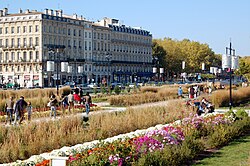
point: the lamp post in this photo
(50, 65)
(155, 69)
(230, 73)
(108, 57)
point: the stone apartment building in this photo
(40, 48)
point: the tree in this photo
(244, 67)
(192, 52)
(159, 53)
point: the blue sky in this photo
(208, 21)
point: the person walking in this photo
(64, 102)
(71, 101)
(53, 104)
(180, 92)
(88, 101)
(191, 92)
(29, 111)
(19, 110)
(9, 106)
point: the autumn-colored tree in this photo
(192, 52)
(244, 67)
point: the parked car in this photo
(114, 84)
(92, 85)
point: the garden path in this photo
(106, 108)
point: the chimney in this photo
(81, 17)
(60, 13)
(57, 13)
(20, 10)
(75, 16)
(5, 11)
(51, 12)
(1, 13)
(46, 11)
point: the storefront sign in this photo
(26, 77)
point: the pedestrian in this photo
(19, 110)
(64, 102)
(191, 92)
(29, 110)
(53, 105)
(9, 107)
(180, 92)
(88, 102)
(71, 101)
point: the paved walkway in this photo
(106, 108)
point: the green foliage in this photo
(230, 114)
(193, 53)
(223, 134)
(103, 89)
(128, 89)
(95, 90)
(117, 90)
(244, 66)
(208, 76)
(241, 113)
(173, 155)
(160, 53)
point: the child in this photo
(29, 110)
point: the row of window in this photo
(19, 29)
(131, 49)
(101, 46)
(123, 57)
(19, 68)
(122, 68)
(24, 56)
(131, 38)
(103, 36)
(19, 18)
(20, 42)
(129, 30)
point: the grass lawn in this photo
(237, 153)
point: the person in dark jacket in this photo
(20, 106)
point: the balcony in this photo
(17, 47)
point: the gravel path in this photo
(106, 108)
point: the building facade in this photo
(79, 50)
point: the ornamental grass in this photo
(20, 142)
(220, 98)
(146, 95)
(38, 97)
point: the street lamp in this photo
(155, 69)
(230, 72)
(50, 66)
(108, 57)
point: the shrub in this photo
(241, 113)
(117, 90)
(103, 89)
(222, 134)
(173, 155)
(221, 98)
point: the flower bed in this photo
(126, 148)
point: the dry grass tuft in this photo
(147, 94)
(220, 98)
(38, 97)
